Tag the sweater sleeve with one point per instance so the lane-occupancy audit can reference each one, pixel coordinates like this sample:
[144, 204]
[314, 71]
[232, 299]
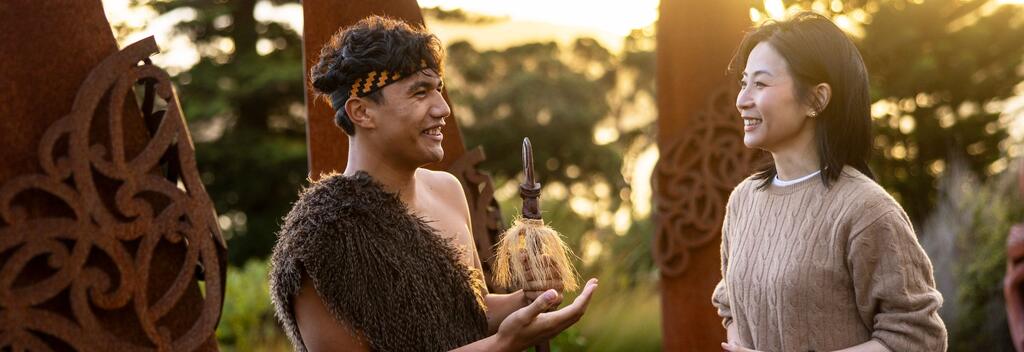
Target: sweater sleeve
[894, 286]
[720, 297]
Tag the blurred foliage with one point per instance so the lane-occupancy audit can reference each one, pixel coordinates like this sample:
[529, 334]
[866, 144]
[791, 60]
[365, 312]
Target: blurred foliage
[994, 207]
[940, 71]
[556, 96]
[247, 321]
[244, 104]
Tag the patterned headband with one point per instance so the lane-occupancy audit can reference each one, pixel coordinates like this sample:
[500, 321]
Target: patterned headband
[376, 80]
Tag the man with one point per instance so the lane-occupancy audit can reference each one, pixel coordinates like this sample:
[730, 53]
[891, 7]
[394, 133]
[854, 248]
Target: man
[382, 257]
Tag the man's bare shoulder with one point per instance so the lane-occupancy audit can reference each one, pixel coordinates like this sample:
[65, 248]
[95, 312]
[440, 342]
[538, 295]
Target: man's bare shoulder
[441, 181]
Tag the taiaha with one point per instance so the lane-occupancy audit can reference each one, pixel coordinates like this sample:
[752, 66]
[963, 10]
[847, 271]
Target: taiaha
[530, 238]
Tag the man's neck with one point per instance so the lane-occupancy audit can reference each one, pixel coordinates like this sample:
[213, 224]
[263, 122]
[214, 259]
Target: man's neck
[393, 177]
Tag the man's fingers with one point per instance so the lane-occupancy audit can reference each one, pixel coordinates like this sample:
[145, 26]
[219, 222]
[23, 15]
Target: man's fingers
[533, 295]
[584, 298]
[541, 304]
[567, 316]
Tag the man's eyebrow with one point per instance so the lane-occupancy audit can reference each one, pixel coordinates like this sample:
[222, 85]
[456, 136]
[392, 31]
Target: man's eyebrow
[424, 83]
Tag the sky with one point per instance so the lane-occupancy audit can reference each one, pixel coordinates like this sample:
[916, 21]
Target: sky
[615, 17]
[532, 20]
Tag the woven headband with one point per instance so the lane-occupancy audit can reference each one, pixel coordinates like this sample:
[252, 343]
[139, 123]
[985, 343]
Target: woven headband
[376, 80]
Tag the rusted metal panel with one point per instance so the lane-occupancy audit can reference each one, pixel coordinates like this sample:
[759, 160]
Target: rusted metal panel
[108, 240]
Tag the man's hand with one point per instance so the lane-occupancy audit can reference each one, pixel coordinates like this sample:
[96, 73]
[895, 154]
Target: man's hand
[530, 325]
[538, 283]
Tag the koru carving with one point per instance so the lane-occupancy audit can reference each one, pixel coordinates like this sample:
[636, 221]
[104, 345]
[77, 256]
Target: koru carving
[132, 257]
[693, 179]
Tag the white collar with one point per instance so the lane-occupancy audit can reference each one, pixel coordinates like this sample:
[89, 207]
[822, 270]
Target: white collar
[781, 183]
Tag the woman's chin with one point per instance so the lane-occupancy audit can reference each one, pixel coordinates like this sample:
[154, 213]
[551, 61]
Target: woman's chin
[752, 142]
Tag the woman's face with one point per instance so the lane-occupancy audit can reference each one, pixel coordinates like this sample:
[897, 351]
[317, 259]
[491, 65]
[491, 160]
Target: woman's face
[774, 118]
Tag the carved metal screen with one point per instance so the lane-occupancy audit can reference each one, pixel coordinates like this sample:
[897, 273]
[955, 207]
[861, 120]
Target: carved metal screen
[114, 245]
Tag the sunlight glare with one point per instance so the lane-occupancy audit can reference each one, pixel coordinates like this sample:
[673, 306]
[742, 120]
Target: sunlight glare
[775, 8]
[614, 17]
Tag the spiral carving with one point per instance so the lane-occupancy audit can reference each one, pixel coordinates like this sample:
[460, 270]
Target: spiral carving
[693, 179]
[107, 248]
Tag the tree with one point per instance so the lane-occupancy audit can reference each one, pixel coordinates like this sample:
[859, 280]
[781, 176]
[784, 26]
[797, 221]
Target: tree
[244, 102]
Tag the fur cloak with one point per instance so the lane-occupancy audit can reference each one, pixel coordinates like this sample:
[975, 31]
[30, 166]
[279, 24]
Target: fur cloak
[377, 267]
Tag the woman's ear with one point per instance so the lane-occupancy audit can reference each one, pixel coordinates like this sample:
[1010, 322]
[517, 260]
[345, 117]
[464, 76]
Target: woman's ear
[820, 96]
[357, 110]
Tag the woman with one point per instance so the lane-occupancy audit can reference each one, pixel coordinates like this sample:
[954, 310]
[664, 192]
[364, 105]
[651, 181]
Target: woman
[816, 256]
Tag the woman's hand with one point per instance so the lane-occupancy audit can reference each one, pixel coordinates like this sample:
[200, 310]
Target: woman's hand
[530, 325]
[736, 348]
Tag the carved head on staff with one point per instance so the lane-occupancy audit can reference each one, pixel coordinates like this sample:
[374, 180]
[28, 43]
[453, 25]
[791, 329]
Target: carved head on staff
[529, 190]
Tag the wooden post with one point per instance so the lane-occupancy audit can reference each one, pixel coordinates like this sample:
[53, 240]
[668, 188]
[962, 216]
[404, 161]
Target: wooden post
[702, 157]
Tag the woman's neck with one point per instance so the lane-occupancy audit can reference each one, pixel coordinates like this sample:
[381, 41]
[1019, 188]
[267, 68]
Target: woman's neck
[793, 163]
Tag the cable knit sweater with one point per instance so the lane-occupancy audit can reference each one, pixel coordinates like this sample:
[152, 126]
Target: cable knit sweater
[810, 268]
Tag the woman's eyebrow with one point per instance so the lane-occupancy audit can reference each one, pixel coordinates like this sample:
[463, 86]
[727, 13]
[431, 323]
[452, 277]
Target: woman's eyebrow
[758, 72]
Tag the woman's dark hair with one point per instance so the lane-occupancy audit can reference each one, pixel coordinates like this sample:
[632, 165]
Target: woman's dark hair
[816, 51]
[373, 44]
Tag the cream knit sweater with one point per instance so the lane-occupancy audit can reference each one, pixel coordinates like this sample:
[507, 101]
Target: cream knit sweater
[807, 268]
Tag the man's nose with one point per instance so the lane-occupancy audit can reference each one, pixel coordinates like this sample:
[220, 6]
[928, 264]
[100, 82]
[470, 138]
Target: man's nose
[440, 108]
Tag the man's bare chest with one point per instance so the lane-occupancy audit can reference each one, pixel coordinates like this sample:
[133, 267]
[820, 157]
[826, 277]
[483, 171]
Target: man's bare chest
[450, 225]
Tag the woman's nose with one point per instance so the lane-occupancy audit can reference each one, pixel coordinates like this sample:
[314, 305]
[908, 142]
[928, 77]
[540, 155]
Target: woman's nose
[743, 101]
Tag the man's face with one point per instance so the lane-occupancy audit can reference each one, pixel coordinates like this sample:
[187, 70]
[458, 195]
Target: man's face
[410, 117]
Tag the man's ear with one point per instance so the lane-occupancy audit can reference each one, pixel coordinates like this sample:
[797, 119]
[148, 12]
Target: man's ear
[357, 110]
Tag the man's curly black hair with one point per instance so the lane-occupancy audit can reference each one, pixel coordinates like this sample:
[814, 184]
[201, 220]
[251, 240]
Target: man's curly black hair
[373, 44]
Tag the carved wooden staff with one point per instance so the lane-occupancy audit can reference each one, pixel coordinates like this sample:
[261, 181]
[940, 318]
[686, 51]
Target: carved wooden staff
[524, 246]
